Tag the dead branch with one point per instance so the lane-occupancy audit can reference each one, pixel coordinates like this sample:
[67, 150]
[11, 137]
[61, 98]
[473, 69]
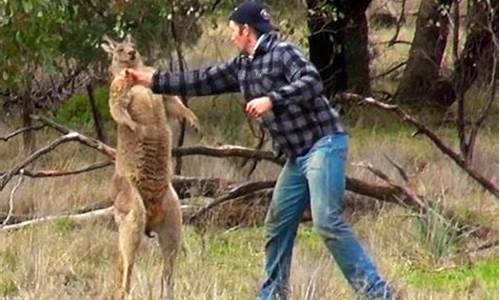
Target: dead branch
[386, 193]
[58, 173]
[390, 70]
[260, 144]
[234, 193]
[228, 151]
[92, 215]
[408, 198]
[7, 176]
[216, 186]
[11, 200]
[399, 24]
[398, 167]
[19, 131]
[456, 29]
[447, 150]
[208, 187]
[411, 198]
[485, 246]
[477, 125]
[90, 142]
[393, 42]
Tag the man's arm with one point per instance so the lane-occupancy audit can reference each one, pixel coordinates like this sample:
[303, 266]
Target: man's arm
[209, 81]
[304, 80]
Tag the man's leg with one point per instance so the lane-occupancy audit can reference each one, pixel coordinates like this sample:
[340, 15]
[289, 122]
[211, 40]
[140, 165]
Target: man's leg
[287, 206]
[325, 169]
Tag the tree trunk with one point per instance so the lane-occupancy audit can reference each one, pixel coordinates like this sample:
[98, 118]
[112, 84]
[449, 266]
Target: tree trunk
[326, 50]
[338, 47]
[356, 52]
[29, 139]
[479, 55]
[182, 131]
[98, 123]
[426, 52]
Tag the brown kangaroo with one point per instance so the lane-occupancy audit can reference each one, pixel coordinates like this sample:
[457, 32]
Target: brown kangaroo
[144, 199]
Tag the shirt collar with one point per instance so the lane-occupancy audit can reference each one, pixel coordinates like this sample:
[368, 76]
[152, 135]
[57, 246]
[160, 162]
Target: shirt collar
[263, 44]
[261, 38]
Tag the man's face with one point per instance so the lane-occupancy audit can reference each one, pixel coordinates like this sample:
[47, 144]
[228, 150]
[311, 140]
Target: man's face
[239, 36]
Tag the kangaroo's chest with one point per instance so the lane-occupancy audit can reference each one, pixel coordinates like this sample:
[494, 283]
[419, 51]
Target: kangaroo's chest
[145, 107]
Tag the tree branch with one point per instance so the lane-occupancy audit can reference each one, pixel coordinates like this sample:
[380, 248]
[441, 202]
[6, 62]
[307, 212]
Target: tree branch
[482, 116]
[404, 116]
[11, 200]
[88, 141]
[400, 22]
[234, 193]
[392, 69]
[58, 173]
[7, 176]
[228, 151]
[19, 131]
[410, 199]
[91, 215]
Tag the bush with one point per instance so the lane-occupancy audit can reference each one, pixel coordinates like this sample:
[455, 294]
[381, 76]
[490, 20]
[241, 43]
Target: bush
[78, 112]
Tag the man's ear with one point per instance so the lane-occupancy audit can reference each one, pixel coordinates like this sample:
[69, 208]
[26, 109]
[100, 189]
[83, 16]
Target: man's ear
[246, 29]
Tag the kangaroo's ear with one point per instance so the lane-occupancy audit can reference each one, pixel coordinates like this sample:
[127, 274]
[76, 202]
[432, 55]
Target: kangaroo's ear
[108, 45]
[107, 48]
[129, 38]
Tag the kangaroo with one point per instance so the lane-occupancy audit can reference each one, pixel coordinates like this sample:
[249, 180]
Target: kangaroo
[144, 198]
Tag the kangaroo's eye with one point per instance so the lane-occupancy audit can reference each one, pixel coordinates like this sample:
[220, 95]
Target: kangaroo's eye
[120, 50]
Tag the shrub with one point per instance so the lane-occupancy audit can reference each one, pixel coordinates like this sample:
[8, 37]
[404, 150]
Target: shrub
[78, 112]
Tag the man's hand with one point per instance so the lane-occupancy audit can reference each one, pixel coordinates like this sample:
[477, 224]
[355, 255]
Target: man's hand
[258, 106]
[138, 77]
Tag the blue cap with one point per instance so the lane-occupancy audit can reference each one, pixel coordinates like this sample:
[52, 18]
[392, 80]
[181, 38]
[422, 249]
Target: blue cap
[253, 14]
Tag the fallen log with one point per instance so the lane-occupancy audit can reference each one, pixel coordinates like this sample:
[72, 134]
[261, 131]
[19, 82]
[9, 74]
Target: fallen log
[88, 216]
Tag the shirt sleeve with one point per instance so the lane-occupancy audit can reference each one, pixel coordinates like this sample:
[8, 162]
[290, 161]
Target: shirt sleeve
[304, 81]
[209, 81]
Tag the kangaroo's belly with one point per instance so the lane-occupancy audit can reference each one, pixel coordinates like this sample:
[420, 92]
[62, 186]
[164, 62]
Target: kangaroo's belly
[144, 157]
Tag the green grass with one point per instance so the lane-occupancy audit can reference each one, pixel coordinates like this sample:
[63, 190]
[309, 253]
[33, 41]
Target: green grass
[438, 237]
[8, 260]
[8, 288]
[64, 226]
[459, 278]
[230, 266]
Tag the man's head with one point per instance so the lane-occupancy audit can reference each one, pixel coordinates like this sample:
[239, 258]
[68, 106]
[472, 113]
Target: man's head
[247, 22]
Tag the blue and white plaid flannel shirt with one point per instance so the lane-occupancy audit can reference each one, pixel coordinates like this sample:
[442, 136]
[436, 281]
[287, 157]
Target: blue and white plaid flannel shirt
[301, 114]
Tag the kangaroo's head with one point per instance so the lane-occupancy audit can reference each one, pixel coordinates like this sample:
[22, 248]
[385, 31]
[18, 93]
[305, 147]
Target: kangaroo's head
[124, 54]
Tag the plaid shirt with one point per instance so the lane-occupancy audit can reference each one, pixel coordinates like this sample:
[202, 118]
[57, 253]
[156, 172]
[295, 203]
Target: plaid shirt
[301, 114]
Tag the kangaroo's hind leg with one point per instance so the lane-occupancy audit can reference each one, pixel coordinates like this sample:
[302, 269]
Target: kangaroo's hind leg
[130, 215]
[169, 238]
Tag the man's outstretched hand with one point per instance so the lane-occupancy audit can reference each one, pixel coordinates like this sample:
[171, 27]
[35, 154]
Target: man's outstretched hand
[138, 77]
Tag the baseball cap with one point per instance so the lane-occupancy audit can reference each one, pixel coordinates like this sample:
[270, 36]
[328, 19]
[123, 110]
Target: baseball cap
[254, 14]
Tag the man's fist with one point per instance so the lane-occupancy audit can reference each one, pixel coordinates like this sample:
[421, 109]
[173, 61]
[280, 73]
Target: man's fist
[138, 77]
[258, 106]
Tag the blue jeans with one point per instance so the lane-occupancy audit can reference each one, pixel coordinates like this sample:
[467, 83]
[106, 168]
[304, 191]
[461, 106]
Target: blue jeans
[318, 179]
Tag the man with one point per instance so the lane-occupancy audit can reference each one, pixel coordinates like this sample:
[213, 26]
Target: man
[284, 90]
